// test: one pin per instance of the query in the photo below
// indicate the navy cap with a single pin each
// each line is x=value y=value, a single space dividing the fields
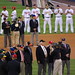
x=15 y=48
x=58 y=6
x=12 y=49
x=33 y=15
x=42 y=41
x=63 y=39
x=1 y=51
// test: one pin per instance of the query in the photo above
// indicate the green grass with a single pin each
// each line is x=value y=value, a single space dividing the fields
x=19 y=11
x=35 y=68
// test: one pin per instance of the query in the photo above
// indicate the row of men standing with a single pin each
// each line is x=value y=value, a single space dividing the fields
x=47 y=14
x=54 y=55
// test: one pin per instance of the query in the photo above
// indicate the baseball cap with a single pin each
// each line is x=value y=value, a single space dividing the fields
x=58 y=6
x=29 y=44
x=42 y=41
x=33 y=15
x=21 y=46
x=14 y=56
x=13 y=7
x=12 y=49
x=34 y=4
x=50 y=42
x=63 y=39
x=4 y=7
x=2 y=55
x=27 y=5
x=1 y=51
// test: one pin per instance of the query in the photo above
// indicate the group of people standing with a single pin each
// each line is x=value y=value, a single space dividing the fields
x=30 y=23
x=18 y=60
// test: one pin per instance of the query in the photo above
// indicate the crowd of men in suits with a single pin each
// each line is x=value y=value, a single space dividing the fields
x=18 y=60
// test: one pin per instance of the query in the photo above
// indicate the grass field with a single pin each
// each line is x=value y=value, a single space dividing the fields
x=19 y=11
x=35 y=67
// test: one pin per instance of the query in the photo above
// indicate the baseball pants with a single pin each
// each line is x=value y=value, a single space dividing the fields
x=27 y=26
x=47 y=20
x=58 y=21
x=57 y=67
x=69 y=21
x=38 y=24
x=67 y=62
x=1 y=30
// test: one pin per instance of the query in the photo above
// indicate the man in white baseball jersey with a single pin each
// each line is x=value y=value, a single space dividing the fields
x=69 y=20
x=14 y=13
x=58 y=20
x=4 y=14
x=26 y=15
x=36 y=11
x=47 y=12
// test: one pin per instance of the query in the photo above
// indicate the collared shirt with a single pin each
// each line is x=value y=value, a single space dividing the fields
x=44 y=50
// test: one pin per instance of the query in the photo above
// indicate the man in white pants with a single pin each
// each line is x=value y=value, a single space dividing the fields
x=26 y=15
x=14 y=13
x=69 y=20
x=36 y=11
x=4 y=14
x=58 y=20
x=47 y=12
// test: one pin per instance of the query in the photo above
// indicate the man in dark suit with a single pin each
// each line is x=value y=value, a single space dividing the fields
x=6 y=30
x=13 y=66
x=9 y=54
x=3 y=65
x=65 y=55
x=28 y=59
x=41 y=55
x=34 y=29
x=50 y=58
x=22 y=25
x=20 y=58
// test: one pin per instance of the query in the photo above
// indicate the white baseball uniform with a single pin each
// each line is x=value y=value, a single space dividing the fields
x=58 y=19
x=47 y=19
x=14 y=15
x=69 y=19
x=26 y=14
x=2 y=19
x=36 y=12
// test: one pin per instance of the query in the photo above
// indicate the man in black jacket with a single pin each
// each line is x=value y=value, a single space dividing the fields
x=6 y=30
x=13 y=66
x=50 y=58
x=3 y=65
x=22 y=25
x=41 y=55
x=34 y=29
x=65 y=55
x=28 y=59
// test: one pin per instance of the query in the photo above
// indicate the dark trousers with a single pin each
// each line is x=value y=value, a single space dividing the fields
x=7 y=37
x=42 y=69
x=67 y=62
x=21 y=39
x=50 y=68
x=28 y=69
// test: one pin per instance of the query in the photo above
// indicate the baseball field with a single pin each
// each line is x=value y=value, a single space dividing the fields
x=70 y=37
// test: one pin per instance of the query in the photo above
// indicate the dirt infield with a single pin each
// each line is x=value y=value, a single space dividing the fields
x=70 y=39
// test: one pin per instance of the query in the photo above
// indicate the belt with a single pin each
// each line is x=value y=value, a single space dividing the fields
x=58 y=16
x=47 y=17
x=69 y=17
x=27 y=17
